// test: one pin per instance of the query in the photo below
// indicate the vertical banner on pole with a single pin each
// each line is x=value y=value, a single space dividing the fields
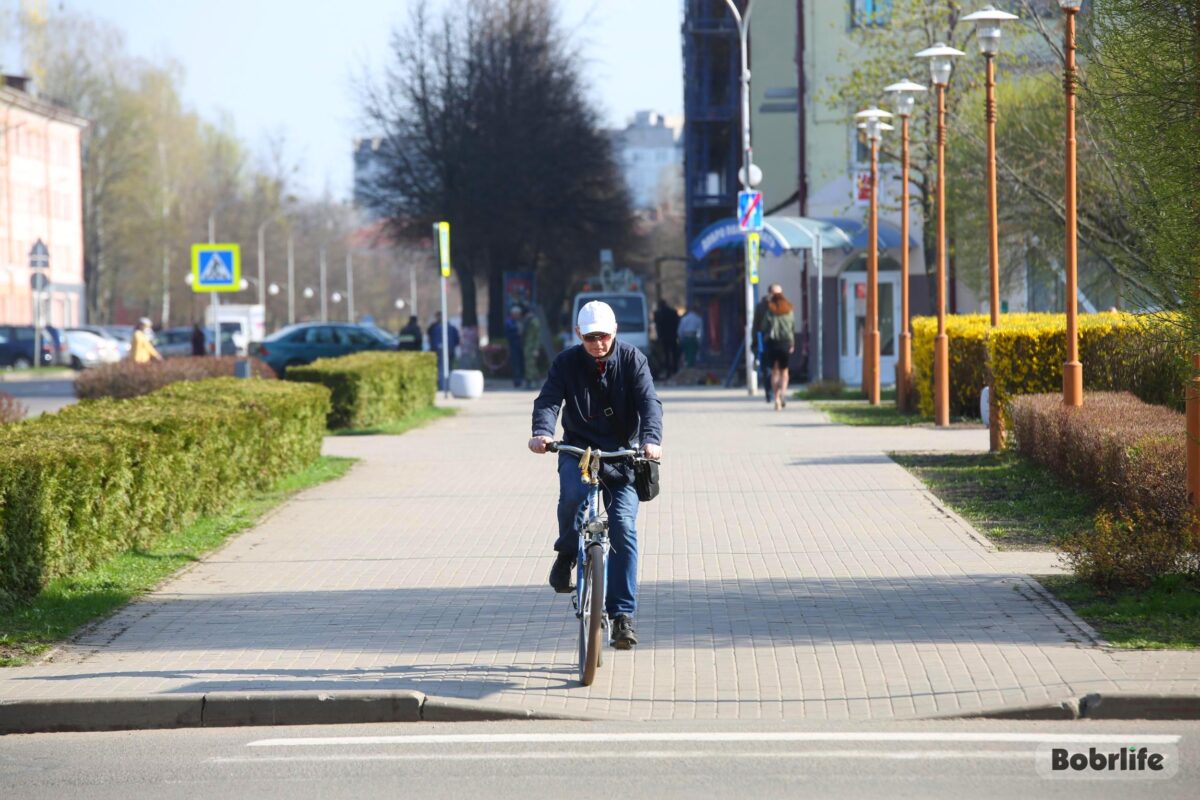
x=753 y=242
x=441 y=232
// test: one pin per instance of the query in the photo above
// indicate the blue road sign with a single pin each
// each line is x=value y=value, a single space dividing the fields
x=39 y=255
x=750 y=211
x=216 y=268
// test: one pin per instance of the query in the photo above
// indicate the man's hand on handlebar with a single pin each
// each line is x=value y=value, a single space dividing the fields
x=538 y=443
x=652 y=451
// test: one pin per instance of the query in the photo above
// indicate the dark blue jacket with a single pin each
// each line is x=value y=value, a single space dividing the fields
x=626 y=384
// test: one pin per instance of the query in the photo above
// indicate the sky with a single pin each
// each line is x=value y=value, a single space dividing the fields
x=282 y=67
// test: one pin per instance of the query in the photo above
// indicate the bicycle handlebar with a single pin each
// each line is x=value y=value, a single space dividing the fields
x=555 y=447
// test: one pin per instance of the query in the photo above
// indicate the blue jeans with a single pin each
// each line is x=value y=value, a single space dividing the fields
x=622 y=505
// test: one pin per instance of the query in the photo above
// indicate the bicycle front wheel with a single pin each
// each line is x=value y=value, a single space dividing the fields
x=591 y=633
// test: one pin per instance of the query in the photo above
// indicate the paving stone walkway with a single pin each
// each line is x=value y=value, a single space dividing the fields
x=789 y=570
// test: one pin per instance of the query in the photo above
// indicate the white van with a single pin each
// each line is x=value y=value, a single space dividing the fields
x=633 y=318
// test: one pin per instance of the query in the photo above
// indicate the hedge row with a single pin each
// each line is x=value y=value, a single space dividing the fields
x=373 y=387
x=127 y=379
x=1119 y=352
x=103 y=476
x=1130 y=456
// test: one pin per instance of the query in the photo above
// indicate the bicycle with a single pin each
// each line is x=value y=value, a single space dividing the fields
x=591 y=561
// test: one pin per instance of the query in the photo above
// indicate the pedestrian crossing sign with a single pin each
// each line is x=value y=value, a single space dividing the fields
x=216 y=268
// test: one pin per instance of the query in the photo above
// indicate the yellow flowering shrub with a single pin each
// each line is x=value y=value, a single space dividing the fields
x=1119 y=351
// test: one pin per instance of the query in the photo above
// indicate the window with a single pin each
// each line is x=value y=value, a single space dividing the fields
x=320 y=335
x=870 y=13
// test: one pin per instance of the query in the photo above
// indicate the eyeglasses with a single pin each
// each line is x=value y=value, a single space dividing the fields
x=597 y=337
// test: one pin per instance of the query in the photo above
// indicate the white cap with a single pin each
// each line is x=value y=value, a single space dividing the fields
x=596 y=317
x=144 y=321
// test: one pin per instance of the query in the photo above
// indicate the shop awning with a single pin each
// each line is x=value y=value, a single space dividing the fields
x=781 y=234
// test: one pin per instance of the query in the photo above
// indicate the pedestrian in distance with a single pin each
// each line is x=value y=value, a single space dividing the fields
x=778 y=327
x=666 y=325
x=531 y=344
x=606 y=395
x=435 y=344
x=516 y=345
x=197 y=340
x=764 y=369
x=410 y=337
x=142 y=351
x=690 y=329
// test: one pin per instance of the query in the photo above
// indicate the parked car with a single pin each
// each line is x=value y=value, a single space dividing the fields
x=176 y=342
x=117 y=334
x=305 y=342
x=16 y=347
x=85 y=349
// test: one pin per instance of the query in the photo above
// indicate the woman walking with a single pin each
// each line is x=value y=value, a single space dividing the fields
x=778 y=326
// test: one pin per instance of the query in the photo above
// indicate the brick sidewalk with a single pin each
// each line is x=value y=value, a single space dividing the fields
x=790 y=570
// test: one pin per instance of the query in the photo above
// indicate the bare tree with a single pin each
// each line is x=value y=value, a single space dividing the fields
x=485 y=123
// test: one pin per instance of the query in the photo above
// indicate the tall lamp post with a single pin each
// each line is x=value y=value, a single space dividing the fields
x=873 y=125
x=987 y=31
x=1072 y=369
x=941 y=62
x=743 y=24
x=905 y=93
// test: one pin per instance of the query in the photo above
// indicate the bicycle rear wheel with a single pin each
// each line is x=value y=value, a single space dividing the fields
x=591 y=620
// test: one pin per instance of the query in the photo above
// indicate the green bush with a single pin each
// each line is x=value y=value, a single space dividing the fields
x=127 y=379
x=103 y=476
x=372 y=388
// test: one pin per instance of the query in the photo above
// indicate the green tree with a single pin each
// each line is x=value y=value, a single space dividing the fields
x=1145 y=83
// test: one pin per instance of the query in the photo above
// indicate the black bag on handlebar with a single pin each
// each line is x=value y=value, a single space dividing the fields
x=645 y=479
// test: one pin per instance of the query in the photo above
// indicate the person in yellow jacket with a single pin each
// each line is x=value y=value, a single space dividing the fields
x=142 y=350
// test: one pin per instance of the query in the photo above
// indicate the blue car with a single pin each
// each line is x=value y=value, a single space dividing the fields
x=16 y=347
x=305 y=342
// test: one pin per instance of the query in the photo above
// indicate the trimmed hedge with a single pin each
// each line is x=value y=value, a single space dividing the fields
x=1120 y=352
x=373 y=387
x=127 y=379
x=103 y=476
x=1131 y=457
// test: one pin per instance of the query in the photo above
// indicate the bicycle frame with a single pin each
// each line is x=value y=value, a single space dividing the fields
x=591 y=527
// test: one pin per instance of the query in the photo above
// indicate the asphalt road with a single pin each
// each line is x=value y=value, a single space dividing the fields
x=975 y=759
x=42 y=396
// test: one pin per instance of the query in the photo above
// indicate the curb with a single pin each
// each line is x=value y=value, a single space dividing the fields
x=239 y=709
x=1130 y=706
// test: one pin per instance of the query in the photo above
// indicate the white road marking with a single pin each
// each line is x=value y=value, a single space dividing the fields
x=730 y=736
x=583 y=755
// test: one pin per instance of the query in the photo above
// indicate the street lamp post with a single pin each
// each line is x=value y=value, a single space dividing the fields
x=987 y=31
x=350 y=286
x=324 y=307
x=941 y=62
x=291 y=282
x=262 y=262
x=905 y=93
x=1072 y=369
x=743 y=24
x=873 y=125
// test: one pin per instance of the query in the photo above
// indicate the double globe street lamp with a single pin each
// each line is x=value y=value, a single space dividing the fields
x=905 y=94
x=873 y=124
x=987 y=31
x=941 y=63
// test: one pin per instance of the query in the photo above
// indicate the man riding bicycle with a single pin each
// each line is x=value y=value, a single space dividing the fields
x=607 y=397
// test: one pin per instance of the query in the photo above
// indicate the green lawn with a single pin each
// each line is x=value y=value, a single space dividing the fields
x=69 y=603
x=860 y=412
x=1014 y=502
x=1167 y=615
x=414 y=420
